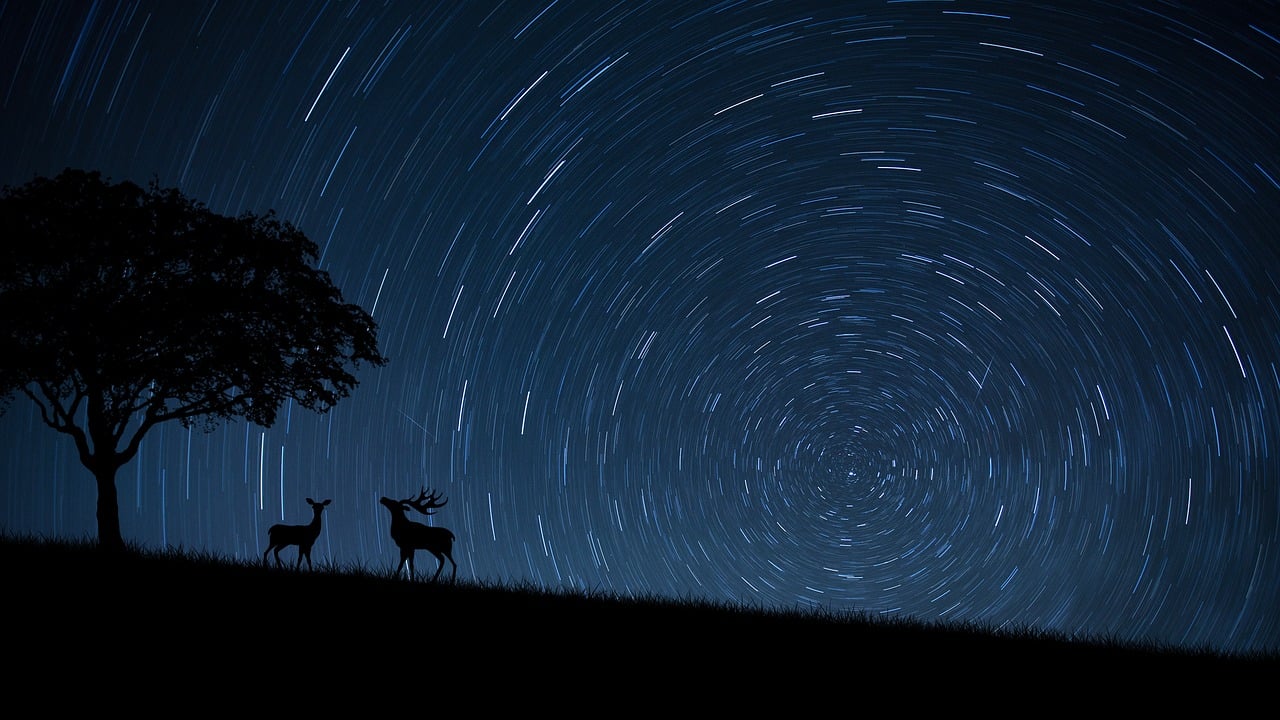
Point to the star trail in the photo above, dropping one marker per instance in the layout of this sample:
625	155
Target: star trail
961	311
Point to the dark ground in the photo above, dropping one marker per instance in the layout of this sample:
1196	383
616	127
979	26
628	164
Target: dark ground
145	633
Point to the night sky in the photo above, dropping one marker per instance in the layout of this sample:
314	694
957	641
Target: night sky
959	311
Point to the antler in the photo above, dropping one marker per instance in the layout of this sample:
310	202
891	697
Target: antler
425	502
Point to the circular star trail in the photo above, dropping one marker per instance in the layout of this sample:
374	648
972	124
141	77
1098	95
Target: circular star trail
959	311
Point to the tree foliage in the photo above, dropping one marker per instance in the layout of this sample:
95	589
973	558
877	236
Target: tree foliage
123	307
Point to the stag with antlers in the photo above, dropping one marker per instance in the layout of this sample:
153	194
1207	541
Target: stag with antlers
304	536
412	536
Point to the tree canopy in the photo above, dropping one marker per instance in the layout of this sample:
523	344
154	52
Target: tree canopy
123	307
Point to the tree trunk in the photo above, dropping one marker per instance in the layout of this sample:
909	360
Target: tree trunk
109	537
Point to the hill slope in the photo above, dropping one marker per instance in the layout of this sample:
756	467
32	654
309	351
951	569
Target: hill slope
208	623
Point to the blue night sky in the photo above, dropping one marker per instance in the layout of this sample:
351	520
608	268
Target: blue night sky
959	311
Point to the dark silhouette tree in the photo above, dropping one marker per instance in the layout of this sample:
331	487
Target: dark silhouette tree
123	307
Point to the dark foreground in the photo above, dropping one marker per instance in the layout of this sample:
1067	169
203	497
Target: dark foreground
79	618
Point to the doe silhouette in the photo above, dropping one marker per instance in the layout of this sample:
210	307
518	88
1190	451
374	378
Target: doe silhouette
412	536
304	536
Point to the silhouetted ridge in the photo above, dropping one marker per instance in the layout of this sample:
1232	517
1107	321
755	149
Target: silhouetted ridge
159	603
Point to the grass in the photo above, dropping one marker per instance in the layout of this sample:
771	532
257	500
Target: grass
350	622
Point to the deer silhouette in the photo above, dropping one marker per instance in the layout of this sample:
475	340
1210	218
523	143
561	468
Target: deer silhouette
412	536
304	536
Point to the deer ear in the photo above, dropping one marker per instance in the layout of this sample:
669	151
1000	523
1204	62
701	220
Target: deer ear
310	501
326	502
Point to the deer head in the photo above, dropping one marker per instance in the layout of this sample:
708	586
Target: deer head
425	503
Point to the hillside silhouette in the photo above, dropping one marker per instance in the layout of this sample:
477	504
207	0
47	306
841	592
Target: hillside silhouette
188	617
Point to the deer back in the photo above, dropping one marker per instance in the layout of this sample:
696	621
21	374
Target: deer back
409	534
